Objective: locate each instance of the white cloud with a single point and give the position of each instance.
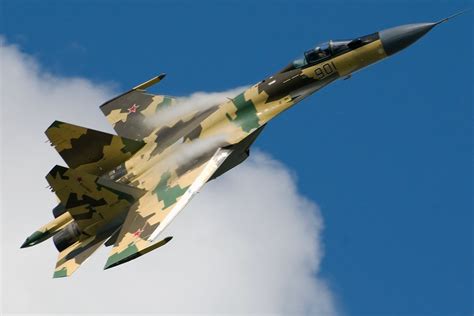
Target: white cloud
(249, 243)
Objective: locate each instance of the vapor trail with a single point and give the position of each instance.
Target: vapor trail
(196, 102)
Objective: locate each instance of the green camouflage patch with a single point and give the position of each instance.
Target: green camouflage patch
(60, 273)
(246, 114)
(117, 257)
(168, 195)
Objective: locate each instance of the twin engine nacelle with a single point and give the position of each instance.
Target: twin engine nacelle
(67, 236)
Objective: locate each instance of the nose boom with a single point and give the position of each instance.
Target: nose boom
(397, 38)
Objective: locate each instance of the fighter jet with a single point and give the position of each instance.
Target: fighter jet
(123, 190)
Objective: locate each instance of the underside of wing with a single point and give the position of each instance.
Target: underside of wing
(155, 210)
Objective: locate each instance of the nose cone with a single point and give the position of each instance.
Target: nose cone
(400, 37)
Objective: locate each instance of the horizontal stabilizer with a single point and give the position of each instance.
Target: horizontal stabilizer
(87, 199)
(88, 150)
(71, 258)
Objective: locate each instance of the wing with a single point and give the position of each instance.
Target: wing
(155, 210)
(138, 115)
(129, 111)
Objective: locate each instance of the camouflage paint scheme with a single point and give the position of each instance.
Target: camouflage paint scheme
(124, 190)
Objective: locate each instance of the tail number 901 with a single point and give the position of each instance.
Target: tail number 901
(325, 70)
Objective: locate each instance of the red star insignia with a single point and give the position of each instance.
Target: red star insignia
(133, 108)
(138, 233)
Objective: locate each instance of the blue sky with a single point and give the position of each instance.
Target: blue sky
(387, 155)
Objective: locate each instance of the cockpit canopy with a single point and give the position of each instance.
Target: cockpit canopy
(321, 52)
(330, 49)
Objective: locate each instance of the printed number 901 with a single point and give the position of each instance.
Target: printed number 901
(325, 70)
